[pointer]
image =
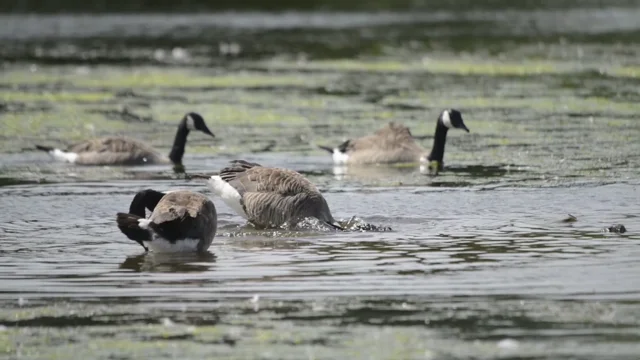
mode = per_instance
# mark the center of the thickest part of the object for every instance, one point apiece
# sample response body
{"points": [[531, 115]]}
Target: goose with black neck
{"points": [[448, 119], [394, 144], [122, 150], [181, 221]]}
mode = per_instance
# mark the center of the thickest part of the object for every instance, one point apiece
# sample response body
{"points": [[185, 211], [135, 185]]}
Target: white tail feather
{"points": [[144, 223], [227, 193], [339, 158], [63, 156]]}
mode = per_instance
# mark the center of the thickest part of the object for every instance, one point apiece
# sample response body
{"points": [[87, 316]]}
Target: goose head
{"points": [[452, 119], [193, 121]]}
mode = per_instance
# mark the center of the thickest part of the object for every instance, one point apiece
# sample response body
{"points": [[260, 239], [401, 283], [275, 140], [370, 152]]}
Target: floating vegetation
{"points": [[125, 114]]}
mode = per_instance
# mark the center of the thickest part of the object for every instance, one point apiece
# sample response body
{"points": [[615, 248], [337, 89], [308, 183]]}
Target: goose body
{"points": [[394, 144], [269, 197], [181, 221], [127, 151]]}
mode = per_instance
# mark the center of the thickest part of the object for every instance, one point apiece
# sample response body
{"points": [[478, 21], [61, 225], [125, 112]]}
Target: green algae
{"points": [[443, 66], [540, 104], [150, 78], [55, 96]]}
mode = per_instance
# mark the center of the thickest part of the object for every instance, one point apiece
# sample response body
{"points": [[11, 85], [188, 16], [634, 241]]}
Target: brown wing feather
{"points": [[389, 137], [272, 197], [271, 209], [114, 150], [184, 214], [178, 204], [110, 144], [390, 144], [252, 177]]}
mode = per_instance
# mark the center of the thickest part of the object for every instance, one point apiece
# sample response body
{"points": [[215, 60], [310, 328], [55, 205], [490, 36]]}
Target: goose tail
{"points": [[130, 225], [326, 148], [58, 154], [44, 148]]}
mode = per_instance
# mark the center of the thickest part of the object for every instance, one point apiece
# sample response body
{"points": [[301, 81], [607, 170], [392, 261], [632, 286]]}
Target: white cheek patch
{"points": [[446, 120], [191, 125]]}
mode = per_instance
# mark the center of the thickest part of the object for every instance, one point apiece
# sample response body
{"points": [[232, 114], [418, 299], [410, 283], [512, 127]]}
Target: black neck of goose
{"points": [[145, 199], [179, 143], [440, 138]]}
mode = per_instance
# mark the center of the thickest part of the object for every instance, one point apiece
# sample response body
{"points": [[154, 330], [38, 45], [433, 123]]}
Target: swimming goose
{"points": [[181, 221], [270, 197], [394, 144], [127, 151]]}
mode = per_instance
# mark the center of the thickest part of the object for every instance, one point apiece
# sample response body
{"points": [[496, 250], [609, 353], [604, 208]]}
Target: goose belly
{"points": [[162, 245]]}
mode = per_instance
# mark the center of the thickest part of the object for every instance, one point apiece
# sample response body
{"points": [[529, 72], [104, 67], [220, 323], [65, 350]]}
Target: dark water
{"points": [[480, 264]]}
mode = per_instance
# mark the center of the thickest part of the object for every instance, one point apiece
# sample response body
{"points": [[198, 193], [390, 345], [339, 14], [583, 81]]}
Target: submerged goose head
{"points": [[181, 221], [448, 119], [269, 197]]}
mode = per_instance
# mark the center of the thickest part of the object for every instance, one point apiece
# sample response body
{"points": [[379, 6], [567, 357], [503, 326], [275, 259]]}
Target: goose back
{"points": [[180, 221], [390, 144], [115, 150], [185, 215], [121, 150], [272, 197]]}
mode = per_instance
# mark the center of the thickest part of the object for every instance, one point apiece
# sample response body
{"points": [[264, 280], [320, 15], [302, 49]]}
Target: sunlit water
{"points": [[481, 262]]}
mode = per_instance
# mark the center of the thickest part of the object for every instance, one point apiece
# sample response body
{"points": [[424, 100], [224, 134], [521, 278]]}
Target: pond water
{"points": [[481, 262]]}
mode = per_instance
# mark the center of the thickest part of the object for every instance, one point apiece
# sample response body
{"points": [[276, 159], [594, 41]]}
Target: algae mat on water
{"points": [[293, 107]]}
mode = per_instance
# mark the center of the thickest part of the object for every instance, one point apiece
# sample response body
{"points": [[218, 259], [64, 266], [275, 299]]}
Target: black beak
{"points": [[464, 127], [208, 132]]}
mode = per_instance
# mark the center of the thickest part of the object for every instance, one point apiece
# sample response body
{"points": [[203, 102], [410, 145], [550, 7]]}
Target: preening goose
{"points": [[127, 151], [270, 197], [181, 221], [395, 144]]}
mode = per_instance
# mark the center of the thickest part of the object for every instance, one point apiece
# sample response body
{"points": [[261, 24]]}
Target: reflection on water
{"points": [[374, 172], [162, 262], [450, 176]]}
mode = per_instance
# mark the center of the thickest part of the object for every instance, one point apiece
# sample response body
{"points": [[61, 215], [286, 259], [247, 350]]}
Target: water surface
{"points": [[479, 264]]}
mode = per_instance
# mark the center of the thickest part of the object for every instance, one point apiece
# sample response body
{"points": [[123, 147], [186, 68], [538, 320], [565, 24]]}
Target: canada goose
{"points": [[127, 151], [180, 221], [394, 144], [270, 197]]}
